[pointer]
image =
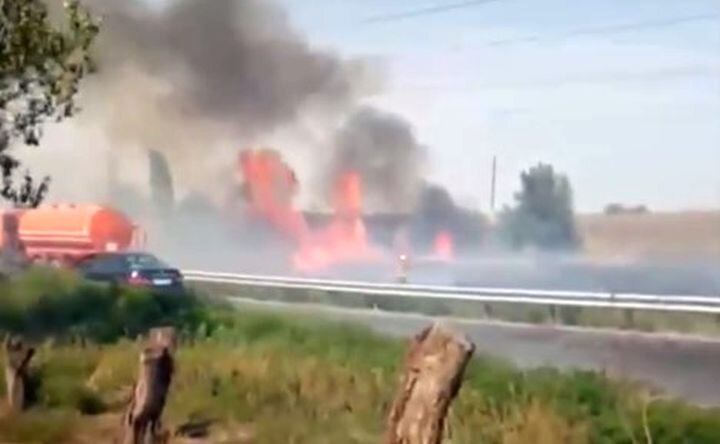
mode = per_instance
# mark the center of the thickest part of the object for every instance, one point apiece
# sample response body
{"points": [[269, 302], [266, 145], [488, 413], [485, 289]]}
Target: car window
{"points": [[143, 261], [107, 264]]}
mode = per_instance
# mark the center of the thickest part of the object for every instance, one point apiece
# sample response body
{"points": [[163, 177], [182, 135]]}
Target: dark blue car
{"points": [[132, 269]]}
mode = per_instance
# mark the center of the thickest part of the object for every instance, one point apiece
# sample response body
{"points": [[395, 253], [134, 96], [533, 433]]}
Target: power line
{"points": [[431, 10], [610, 29], [671, 73]]}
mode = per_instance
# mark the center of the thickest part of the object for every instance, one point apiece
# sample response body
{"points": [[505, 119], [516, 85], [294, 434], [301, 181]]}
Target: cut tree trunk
{"points": [[431, 378], [142, 420], [164, 337], [17, 362]]}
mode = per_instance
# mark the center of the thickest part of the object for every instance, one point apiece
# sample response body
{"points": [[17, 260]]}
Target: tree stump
{"points": [[164, 337], [431, 378], [142, 420], [17, 362]]}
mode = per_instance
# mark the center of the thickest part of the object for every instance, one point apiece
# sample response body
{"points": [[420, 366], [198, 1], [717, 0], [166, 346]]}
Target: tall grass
{"points": [[270, 378]]}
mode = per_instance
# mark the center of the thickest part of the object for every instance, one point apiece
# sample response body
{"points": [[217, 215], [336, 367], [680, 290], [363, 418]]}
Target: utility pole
{"points": [[493, 181]]}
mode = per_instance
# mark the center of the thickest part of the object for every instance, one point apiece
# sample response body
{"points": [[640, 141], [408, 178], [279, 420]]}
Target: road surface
{"points": [[683, 366]]}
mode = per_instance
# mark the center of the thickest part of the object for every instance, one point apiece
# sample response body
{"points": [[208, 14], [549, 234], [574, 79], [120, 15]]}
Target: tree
{"points": [[41, 67], [161, 183], [543, 216]]}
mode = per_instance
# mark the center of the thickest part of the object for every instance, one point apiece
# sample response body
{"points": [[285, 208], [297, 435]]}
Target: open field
{"points": [[276, 378], [678, 235]]}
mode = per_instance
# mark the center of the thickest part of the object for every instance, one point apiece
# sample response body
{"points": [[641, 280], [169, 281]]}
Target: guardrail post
{"points": [[488, 311], [553, 314], [629, 316]]}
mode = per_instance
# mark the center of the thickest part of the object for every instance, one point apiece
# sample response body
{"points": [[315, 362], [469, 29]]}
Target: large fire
{"points": [[444, 248], [270, 187]]}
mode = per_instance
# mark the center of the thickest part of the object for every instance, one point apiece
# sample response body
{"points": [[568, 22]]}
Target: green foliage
{"points": [[290, 378], [59, 380], [44, 303], [41, 67], [543, 215], [297, 379]]}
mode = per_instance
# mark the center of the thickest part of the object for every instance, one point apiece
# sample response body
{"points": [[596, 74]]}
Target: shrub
{"points": [[46, 302]]}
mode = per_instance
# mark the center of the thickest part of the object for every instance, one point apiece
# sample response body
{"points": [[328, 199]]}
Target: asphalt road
{"points": [[682, 366], [545, 273]]}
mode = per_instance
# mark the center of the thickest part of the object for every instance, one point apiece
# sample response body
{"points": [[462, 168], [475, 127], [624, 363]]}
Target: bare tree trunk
{"points": [[17, 361], [142, 420], [431, 379]]}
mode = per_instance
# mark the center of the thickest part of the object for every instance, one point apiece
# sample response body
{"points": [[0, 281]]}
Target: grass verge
{"points": [[272, 378], [702, 324]]}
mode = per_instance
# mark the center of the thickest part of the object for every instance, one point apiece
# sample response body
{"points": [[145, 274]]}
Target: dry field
{"points": [[654, 235]]}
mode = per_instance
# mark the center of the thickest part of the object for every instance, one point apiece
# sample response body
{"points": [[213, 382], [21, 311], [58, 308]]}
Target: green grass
{"points": [[272, 378], [285, 379], [45, 303]]}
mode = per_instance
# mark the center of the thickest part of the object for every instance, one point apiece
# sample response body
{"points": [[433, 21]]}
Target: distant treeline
{"points": [[616, 208]]}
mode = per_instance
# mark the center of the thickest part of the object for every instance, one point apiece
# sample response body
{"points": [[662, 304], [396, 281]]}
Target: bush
{"points": [[46, 302]]}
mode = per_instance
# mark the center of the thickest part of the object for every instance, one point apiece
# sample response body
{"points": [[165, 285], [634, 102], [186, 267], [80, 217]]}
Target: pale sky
{"points": [[631, 116]]}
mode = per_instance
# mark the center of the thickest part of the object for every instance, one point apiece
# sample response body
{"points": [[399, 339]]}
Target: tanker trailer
{"points": [[63, 234]]}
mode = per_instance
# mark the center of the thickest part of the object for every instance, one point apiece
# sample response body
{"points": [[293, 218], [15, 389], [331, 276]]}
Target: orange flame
{"points": [[444, 247], [349, 195], [271, 185], [345, 238]]}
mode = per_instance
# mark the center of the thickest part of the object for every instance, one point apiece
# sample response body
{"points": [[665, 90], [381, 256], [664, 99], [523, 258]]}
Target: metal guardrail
{"points": [[627, 301]]}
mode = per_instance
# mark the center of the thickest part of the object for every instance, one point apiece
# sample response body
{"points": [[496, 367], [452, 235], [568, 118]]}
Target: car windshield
{"points": [[144, 261]]}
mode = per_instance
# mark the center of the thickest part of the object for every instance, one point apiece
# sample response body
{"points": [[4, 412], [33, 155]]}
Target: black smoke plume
{"points": [[383, 149], [203, 78], [437, 211]]}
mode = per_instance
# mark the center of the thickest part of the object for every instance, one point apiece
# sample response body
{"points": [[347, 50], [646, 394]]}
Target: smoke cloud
{"points": [[437, 211], [200, 79], [383, 149]]}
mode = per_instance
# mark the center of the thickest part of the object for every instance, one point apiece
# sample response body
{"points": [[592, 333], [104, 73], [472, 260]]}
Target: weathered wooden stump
{"points": [[431, 378], [142, 420], [17, 363], [164, 337]]}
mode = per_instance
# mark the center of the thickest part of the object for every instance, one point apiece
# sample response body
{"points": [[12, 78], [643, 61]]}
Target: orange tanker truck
{"points": [[65, 233]]}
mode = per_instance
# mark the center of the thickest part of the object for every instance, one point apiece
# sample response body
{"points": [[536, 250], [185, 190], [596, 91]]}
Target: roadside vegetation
{"points": [[256, 377], [700, 324], [46, 303]]}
